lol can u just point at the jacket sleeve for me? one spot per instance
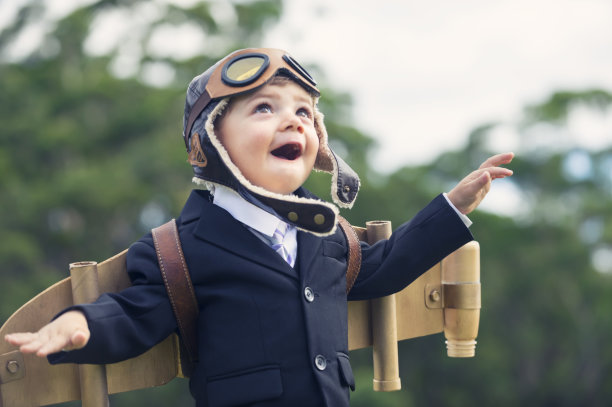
(390, 265)
(127, 323)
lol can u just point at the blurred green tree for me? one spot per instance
(546, 271)
(92, 157)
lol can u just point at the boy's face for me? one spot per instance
(270, 136)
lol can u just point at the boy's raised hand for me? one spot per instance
(470, 191)
(69, 331)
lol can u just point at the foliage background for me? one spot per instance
(89, 161)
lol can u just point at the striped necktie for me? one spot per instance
(278, 243)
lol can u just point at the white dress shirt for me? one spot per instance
(463, 217)
(255, 218)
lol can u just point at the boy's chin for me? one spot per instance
(283, 179)
(282, 189)
(285, 183)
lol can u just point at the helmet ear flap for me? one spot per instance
(345, 181)
(323, 161)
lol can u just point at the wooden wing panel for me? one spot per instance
(40, 383)
(414, 319)
(37, 383)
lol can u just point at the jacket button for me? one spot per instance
(309, 294)
(321, 362)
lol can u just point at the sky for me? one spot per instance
(424, 74)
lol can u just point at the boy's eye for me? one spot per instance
(304, 112)
(263, 108)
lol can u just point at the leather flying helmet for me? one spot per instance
(209, 93)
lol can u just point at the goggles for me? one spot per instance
(243, 71)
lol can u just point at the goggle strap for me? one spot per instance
(197, 109)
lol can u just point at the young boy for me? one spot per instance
(272, 327)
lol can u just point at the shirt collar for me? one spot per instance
(245, 212)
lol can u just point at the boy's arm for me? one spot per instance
(434, 233)
(390, 265)
(127, 323)
(118, 325)
(122, 325)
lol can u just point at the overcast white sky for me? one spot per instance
(423, 74)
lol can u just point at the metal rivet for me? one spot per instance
(434, 295)
(292, 216)
(319, 219)
(12, 366)
(347, 189)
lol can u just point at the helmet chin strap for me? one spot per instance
(310, 215)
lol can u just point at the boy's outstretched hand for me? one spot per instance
(468, 193)
(69, 331)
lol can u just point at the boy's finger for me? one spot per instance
(30, 347)
(484, 180)
(20, 338)
(79, 339)
(497, 160)
(50, 347)
(474, 187)
(53, 344)
(499, 172)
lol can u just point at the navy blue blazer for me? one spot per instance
(269, 334)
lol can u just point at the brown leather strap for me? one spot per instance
(178, 284)
(196, 110)
(354, 254)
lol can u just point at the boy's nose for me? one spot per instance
(294, 122)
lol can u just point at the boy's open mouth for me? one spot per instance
(289, 151)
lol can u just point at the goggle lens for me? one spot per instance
(244, 69)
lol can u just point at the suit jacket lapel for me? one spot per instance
(308, 249)
(218, 227)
